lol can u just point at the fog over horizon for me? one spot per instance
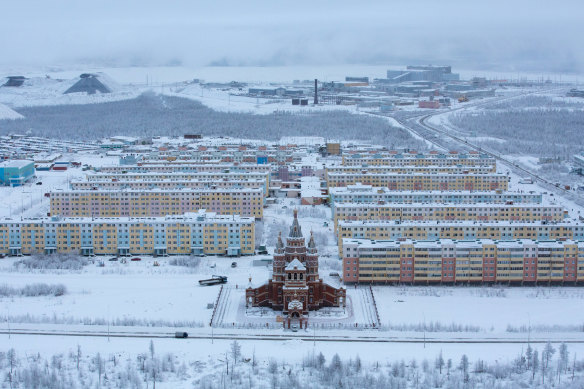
(529, 36)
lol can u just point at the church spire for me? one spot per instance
(279, 243)
(295, 230)
(311, 244)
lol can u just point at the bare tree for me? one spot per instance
(99, 366)
(78, 356)
(235, 351)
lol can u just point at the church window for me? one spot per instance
(289, 276)
(301, 276)
(295, 276)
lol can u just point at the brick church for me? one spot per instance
(295, 287)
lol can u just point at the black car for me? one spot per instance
(39, 183)
(113, 259)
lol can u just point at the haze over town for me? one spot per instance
(289, 195)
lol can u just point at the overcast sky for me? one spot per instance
(507, 35)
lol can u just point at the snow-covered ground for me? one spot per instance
(29, 200)
(40, 91)
(7, 113)
(490, 309)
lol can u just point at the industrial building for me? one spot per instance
(16, 172)
(522, 261)
(199, 233)
(421, 73)
(280, 91)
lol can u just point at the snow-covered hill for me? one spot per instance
(7, 113)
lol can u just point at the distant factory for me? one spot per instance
(421, 73)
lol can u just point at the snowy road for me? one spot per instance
(372, 336)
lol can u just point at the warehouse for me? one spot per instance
(16, 172)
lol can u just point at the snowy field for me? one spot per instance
(488, 309)
(29, 200)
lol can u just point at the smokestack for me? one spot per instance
(315, 91)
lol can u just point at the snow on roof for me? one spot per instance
(310, 187)
(15, 163)
(295, 264)
(397, 174)
(155, 181)
(359, 188)
(366, 244)
(302, 140)
(200, 216)
(190, 174)
(164, 190)
(443, 205)
(451, 223)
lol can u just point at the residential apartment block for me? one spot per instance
(410, 169)
(198, 233)
(522, 261)
(421, 182)
(154, 203)
(121, 183)
(453, 158)
(425, 212)
(458, 230)
(185, 167)
(181, 176)
(370, 194)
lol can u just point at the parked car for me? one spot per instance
(233, 264)
(180, 334)
(39, 183)
(113, 259)
(136, 259)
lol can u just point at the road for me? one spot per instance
(417, 123)
(307, 336)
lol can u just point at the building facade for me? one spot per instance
(369, 194)
(417, 159)
(154, 203)
(185, 167)
(120, 183)
(16, 172)
(147, 177)
(199, 233)
(458, 230)
(421, 181)
(522, 261)
(295, 287)
(426, 212)
(411, 169)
